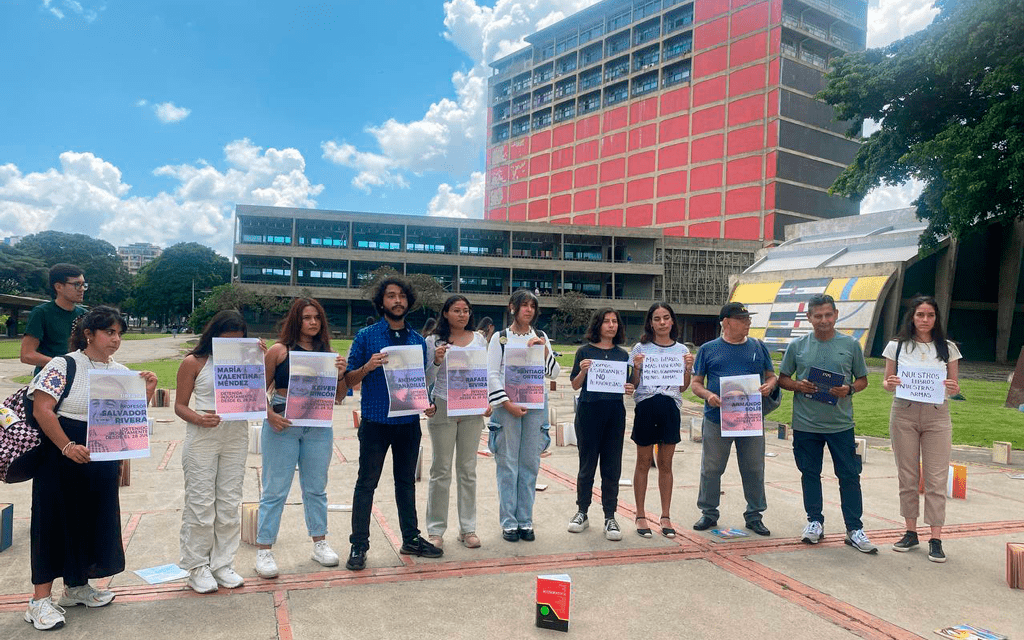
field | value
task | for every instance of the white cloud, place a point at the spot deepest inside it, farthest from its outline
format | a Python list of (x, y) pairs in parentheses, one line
[(168, 112), (141, 102), (86, 195), (468, 204), (887, 198), (73, 6)]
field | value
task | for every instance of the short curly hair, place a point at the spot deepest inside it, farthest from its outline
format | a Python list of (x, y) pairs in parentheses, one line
[(402, 283)]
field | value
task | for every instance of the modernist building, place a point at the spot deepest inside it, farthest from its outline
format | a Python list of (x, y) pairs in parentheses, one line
[(696, 117), (137, 255), (330, 254)]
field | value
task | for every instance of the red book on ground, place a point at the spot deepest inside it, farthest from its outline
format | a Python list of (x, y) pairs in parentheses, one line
[(553, 602)]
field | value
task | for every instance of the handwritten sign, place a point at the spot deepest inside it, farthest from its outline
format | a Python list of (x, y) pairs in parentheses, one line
[(118, 424), (312, 386), (922, 384), (741, 406), (663, 370), (239, 379), (406, 379), (524, 376), (606, 376), (466, 377)]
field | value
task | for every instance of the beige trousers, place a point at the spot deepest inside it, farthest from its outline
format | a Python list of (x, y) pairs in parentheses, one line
[(922, 437), (454, 441)]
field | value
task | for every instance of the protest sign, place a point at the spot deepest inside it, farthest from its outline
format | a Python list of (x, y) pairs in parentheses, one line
[(118, 424), (466, 377), (606, 376), (524, 376), (239, 379), (312, 387), (663, 369), (741, 406), (406, 379), (922, 384)]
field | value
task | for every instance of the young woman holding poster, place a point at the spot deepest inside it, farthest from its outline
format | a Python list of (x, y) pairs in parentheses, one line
[(76, 512), (656, 417), (284, 446), (452, 435), (600, 422), (921, 432), (517, 435), (213, 462)]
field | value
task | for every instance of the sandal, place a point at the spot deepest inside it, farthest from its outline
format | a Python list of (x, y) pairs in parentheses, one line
[(668, 532), (645, 532), (469, 540)]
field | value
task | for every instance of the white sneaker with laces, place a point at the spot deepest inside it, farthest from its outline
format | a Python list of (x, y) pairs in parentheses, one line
[(611, 530), (201, 580), (324, 554), (813, 532), (266, 567), (86, 595), (859, 541), (228, 578), (579, 523), (44, 615)]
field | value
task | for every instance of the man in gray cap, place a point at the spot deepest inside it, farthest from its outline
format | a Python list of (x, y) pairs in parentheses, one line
[(731, 354)]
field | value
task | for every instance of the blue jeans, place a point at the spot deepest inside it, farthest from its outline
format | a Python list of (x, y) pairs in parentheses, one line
[(809, 449), (311, 449), (517, 444), (715, 455)]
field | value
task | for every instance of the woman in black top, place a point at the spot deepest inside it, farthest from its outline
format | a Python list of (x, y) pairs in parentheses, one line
[(600, 422)]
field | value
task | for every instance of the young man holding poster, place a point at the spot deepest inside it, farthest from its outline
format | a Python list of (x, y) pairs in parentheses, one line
[(824, 369), (377, 432), (731, 354)]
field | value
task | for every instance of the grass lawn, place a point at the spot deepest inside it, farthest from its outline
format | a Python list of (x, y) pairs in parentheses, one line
[(12, 348)]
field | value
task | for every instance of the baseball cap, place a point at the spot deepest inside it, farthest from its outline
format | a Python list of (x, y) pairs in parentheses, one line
[(734, 310)]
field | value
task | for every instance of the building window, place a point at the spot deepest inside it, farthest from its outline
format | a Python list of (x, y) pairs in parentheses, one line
[(616, 68), (676, 20), (618, 20), (565, 111), (676, 73), (588, 33), (566, 87), (567, 64), (590, 79), (645, 58), (589, 102), (592, 54), (678, 45), (645, 83), (618, 43), (616, 93), (646, 32)]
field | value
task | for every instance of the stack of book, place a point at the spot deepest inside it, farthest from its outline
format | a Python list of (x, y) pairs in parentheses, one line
[(1015, 565)]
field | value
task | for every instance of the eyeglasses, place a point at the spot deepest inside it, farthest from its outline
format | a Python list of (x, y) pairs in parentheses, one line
[(81, 286)]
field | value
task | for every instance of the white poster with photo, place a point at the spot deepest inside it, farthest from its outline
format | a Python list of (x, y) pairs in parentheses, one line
[(312, 387), (663, 370), (118, 421), (741, 406), (921, 384), (524, 376), (239, 379), (406, 380), (606, 376), (466, 376)]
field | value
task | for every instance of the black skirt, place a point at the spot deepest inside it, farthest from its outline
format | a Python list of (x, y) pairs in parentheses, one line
[(76, 516)]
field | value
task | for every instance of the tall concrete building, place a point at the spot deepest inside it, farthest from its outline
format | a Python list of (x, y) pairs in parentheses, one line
[(697, 117), (137, 255)]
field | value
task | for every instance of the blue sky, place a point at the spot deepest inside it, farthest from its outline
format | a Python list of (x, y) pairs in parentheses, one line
[(147, 121)]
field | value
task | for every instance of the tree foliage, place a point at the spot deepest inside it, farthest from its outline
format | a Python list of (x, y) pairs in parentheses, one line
[(430, 294), (22, 273), (950, 104), (163, 289), (108, 278), (572, 313), (233, 296)]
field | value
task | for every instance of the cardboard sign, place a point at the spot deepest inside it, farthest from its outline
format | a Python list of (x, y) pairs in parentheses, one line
[(466, 377), (312, 387), (921, 384), (606, 376), (406, 379), (663, 370), (741, 406), (524, 376), (118, 424), (553, 602), (239, 379)]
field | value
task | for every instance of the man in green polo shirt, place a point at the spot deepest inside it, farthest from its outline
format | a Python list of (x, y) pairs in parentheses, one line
[(824, 369), (49, 324)]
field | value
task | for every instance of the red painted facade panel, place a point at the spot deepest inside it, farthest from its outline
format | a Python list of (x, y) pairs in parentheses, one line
[(540, 163), (586, 176), (561, 181), (775, 41), (707, 91), (588, 127), (769, 165), (613, 169), (776, 11), (705, 206), (517, 213), (517, 191), (745, 140), (746, 80), (497, 155), (584, 200), (643, 136), (711, 34), (584, 220), (773, 103), (613, 144), (675, 231), (565, 220), (671, 184), (540, 141), (519, 170), (610, 195), (538, 209), (671, 210), (674, 129), (519, 149), (561, 158), (742, 200), (743, 170), (641, 189), (705, 149), (748, 49), (497, 195), (709, 62), (641, 163), (736, 4), (706, 9), (769, 196), (561, 205), (498, 175), (538, 186), (746, 109), (643, 111), (772, 131), (710, 119), (563, 135), (706, 177), (587, 151), (704, 230), (498, 213), (673, 156), (769, 226), (675, 101), (640, 215), (743, 228), (750, 19), (610, 218), (615, 119)]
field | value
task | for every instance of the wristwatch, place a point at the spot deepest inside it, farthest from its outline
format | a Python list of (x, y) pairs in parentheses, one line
[(852, 390)]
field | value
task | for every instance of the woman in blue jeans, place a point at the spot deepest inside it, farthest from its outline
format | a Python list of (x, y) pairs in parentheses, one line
[(517, 435), (284, 446)]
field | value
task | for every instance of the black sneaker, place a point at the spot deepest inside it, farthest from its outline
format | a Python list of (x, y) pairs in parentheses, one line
[(935, 553), (510, 535), (356, 559), (420, 547), (907, 542), (527, 534)]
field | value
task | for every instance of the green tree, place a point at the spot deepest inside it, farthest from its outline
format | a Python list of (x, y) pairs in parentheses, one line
[(108, 278), (572, 313), (430, 294), (950, 105), (163, 289), (233, 296), (21, 273)]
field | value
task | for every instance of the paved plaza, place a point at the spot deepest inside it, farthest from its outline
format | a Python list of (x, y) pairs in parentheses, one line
[(693, 586)]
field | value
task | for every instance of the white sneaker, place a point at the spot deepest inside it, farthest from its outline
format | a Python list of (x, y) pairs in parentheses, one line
[(579, 523), (201, 580), (44, 615), (86, 595), (324, 554), (265, 565), (860, 542), (611, 530), (813, 532), (227, 578)]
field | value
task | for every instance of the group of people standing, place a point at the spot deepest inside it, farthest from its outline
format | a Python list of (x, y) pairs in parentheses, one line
[(75, 509)]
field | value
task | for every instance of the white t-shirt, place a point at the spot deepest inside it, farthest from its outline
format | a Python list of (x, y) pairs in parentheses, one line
[(52, 378), (920, 354), (437, 374), (496, 363), (644, 392)]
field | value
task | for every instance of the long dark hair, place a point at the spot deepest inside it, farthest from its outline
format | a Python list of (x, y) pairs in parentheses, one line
[(442, 329), (906, 332), (649, 329), (594, 330), (522, 297), (96, 319), (292, 327), (226, 321)]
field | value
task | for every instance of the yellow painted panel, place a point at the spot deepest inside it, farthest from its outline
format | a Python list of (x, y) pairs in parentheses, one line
[(835, 288), (756, 293), (868, 288), (757, 332)]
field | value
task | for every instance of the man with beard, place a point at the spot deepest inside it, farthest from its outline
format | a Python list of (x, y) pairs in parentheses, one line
[(49, 324), (393, 299)]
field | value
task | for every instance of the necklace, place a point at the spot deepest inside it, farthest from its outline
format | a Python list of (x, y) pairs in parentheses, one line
[(93, 364), (514, 332)]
